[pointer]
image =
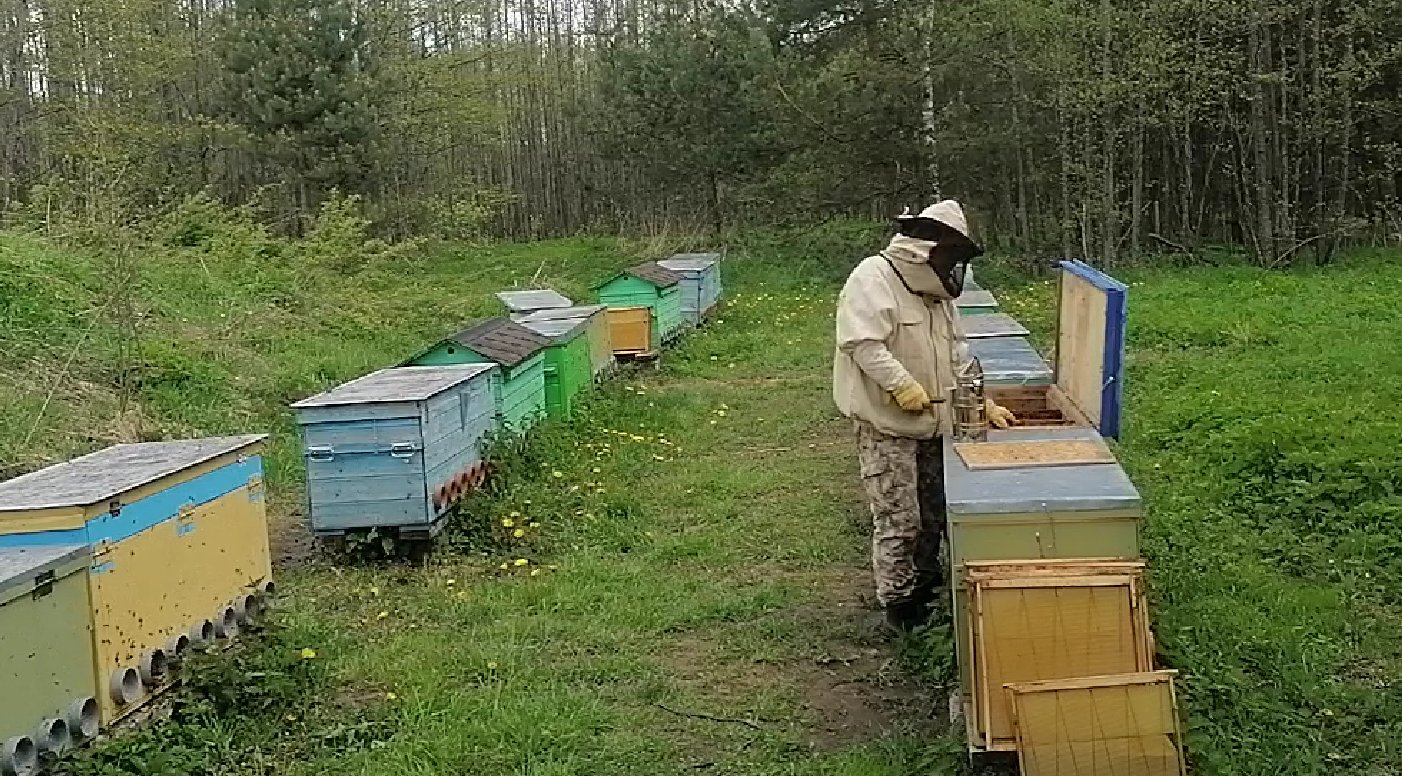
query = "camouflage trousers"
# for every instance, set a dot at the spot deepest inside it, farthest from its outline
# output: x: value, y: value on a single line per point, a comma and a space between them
x: 904, y: 483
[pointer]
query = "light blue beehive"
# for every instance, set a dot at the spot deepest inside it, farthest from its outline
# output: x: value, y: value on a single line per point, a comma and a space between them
x: 701, y: 283
x: 396, y: 448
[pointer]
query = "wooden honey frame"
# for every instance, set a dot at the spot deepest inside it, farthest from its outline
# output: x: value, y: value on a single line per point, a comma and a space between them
x: 1169, y: 719
x: 985, y: 577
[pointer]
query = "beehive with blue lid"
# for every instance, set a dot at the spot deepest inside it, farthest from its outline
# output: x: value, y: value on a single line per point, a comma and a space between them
x: 177, y: 540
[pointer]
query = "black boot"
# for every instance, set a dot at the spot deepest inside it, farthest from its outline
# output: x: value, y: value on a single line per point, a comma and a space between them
x: 906, y: 616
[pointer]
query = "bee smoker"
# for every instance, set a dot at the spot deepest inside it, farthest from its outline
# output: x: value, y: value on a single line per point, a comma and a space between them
x: 970, y: 415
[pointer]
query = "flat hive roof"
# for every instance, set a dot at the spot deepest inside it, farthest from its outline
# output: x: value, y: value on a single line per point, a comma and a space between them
x: 105, y: 474
x: 402, y: 383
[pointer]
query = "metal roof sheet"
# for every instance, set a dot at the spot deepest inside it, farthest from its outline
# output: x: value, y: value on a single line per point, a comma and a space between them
x: 537, y: 299
x: 403, y: 383
x: 584, y: 311
x: 992, y: 325
x: 1037, y: 489
x: 558, y: 329
x: 690, y: 262
x: 100, y: 476
x: 20, y: 565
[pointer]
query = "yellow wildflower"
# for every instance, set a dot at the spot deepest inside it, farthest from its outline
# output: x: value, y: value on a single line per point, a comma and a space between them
x: 535, y: 572
x: 391, y: 696
x: 503, y: 566
x: 518, y: 514
x: 518, y: 533
x: 308, y: 653
x: 381, y: 615
x: 451, y: 582
x: 521, y: 561
x: 508, y: 523
x: 597, y: 470
x: 535, y: 525
x: 491, y: 665
x: 557, y: 474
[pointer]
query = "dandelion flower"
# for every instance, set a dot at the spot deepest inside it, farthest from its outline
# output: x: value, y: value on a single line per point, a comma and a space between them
x: 658, y: 458
x: 308, y: 653
x: 508, y: 523
x: 557, y: 474
x: 518, y: 533
x: 503, y: 566
x: 491, y: 665
x: 451, y: 582
x: 389, y: 696
x: 521, y: 561
x: 597, y: 470
x: 381, y: 615
x: 535, y: 525
x: 518, y: 514
x: 535, y: 572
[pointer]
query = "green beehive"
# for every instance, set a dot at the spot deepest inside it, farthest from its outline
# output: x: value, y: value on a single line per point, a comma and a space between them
x: 519, y: 390
x: 46, y: 651
x: 654, y: 287
x: 568, y: 365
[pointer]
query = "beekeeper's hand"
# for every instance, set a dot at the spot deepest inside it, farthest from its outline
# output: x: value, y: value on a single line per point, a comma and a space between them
x: 912, y: 397
x: 998, y: 415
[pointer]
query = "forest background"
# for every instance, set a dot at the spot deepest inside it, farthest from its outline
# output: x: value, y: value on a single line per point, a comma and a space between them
x: 1098, y: 128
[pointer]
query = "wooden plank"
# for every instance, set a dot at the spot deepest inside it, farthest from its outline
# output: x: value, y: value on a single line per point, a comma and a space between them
x: 1041, y: 452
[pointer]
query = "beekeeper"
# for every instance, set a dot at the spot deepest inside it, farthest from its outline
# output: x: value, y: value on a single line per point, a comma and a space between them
x: 899, y: 344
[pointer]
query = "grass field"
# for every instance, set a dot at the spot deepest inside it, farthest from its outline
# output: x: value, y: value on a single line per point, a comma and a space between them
x: 688, y: 592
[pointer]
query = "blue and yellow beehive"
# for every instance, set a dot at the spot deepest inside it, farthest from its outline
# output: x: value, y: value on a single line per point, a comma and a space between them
x: 178, y: 549
x: 46, y: 653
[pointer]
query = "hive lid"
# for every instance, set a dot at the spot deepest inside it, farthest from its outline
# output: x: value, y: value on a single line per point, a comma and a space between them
x: 585, y: 311
x: 690, y: 262
x: 1037, y: 490
x: 1010, y: 361
x: 502, y: 340
x: 1090, y: 343
x: 648, y: 272
x: 558, y: 329
x: 103, y: 475
x: 974, y: 296
x: 404, y: 383
x: 19, y: 566
x: 992, y: 325
x: 529, y: 301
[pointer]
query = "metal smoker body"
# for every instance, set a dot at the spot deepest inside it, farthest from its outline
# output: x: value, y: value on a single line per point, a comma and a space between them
x: 970, y: 414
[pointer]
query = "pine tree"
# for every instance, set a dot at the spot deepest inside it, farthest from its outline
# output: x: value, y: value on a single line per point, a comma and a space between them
x: 298, y: 79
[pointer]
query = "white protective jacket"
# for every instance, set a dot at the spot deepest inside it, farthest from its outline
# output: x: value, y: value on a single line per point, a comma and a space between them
x: 896, y: 323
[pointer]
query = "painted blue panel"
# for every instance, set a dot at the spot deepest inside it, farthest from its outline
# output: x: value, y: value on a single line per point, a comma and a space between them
x: 132, y: 519
x: 362, y: 435
x: 1116, y: 323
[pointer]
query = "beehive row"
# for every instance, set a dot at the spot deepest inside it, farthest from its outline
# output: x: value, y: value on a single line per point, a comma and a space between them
x: 394, y: 450
x: 112, y: 566
x: 1051, y: 626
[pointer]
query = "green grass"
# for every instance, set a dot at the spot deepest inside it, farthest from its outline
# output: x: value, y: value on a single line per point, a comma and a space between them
x: 714, y: 562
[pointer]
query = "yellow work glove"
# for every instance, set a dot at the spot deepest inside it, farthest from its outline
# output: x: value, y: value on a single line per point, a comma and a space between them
x: 998, y: 415
x: 912, y: 397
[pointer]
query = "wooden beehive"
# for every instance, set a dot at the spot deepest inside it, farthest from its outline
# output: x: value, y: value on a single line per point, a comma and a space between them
x: 178, y: 535
x: 568, y: 366
x: 1054, y: 621
x: 700, y: 282
x: 651, y: 286
x: 975, y: 301
x: 519, y: 387
x: 46, y: 646
x: 1010, y: 361
x: 600, y: 345
x: 396, y: 448
x: 630, y: 331
x: 1099, y: 726
x: 1088, y: 380
x: 992, y: 325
